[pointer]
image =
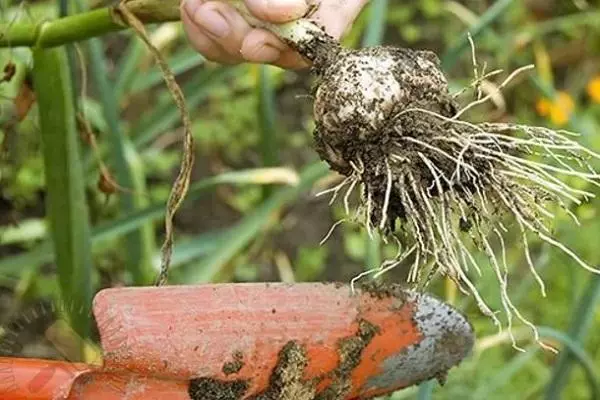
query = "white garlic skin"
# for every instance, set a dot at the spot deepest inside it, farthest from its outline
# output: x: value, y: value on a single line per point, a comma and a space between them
x: 364, y: 89
x: 364, y: 92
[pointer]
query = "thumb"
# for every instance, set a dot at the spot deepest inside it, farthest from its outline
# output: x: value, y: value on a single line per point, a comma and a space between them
x: 277, y: 10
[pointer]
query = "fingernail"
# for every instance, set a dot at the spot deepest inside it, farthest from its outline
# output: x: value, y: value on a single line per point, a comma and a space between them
x: 211, y: 21
x: 266, y: 54
x: 278, y: 10
x: 291, y: 6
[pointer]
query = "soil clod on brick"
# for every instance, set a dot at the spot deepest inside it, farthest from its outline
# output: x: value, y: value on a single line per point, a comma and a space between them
x: 233, y: 367
x: 382, y: 290
x: 287, y: 379
x: 350, y: 351
x: 214, y: 389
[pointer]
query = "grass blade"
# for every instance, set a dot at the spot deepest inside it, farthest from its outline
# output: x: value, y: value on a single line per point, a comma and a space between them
x: 376, y: 25
x: 128, y: 67
x: 193, y: 248
x: 426, y: 390
x: 566, y: 23
x: 66, y: 202
x: 452, y: 55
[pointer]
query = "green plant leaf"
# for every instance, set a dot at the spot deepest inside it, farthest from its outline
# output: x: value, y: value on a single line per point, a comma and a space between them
x: 376, y: 25
x: 127, y: 68
x: 67, y: 210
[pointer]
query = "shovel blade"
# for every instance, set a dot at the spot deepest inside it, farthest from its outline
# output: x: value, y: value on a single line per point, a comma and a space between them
x: 253, y: 339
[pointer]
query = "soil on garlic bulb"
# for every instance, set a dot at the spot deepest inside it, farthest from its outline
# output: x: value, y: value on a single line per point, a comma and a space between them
x: 361, y: 131
x: 385, y: 119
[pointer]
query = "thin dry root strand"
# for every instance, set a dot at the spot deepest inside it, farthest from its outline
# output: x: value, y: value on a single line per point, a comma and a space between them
x: 447, y: 182
x: 182, y: 182
x: 503, y: 181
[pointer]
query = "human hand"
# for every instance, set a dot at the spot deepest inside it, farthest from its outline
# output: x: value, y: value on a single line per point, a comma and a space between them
x: 221, y: 34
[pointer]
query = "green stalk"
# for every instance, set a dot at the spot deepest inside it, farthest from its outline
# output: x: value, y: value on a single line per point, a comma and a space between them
x: 66, y: 202
x: 101, y: 21
x: 63, y: 7
x: 62, y: 30
x: 86, y: 25
x: 63, y: 11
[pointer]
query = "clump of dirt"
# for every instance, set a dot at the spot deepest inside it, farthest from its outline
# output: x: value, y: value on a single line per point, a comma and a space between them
x: 350, y: 351
x: 287, y: 382
x: 233, y: 367
x: 382, y: 290
x: 214, y: 389
x: 452, y: 344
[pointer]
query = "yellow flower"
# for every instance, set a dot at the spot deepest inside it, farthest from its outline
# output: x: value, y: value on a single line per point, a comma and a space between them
x: 543, y: 107
x: 593, y: 89
x: 559, y: 111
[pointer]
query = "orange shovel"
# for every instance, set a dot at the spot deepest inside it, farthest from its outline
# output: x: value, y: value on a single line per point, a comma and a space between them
x: 256, y: 341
